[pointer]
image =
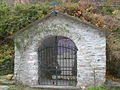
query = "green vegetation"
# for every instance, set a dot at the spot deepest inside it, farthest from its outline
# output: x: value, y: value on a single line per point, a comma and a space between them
x: 103, y: 88
x: 98, y: 88
x: 6, y: 66
x: 12, y: 19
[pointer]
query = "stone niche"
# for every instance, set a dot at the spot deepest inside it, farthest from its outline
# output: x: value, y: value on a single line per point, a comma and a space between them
x: 88, y: 53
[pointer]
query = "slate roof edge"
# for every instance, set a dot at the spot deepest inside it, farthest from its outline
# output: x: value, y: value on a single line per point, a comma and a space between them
x: 57, y: 14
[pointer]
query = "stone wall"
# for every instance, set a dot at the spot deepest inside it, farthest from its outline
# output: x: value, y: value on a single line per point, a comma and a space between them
x: 90, y: 41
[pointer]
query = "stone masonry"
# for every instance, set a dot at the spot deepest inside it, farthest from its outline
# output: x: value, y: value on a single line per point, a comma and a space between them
x: 90, y: 41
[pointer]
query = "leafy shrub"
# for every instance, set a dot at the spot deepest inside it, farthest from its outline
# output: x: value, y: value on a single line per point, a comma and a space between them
x: 6, y: 52
x: 7, y: 67
x: 13, y: 19
x: 107, y: 10
x: 118, y: 31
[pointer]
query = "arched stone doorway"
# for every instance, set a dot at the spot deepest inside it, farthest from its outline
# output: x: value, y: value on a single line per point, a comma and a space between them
x: 57, y: 61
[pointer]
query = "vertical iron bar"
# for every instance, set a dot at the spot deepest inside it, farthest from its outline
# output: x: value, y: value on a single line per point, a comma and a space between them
x: 40, y: 66
x: 60, y: 59
x: 67, y: 63
x: 45, y: 65
x: 75, y: 66
x: 56, y: 59
x: 47, y: 58
x: 52, y: 55
x: 49, y: 61
x: 63, y: 62
x: 46, y: 54
x: 72, y: 61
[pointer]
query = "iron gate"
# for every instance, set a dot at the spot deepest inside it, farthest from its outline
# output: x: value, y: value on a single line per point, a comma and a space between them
x: 58, y: 64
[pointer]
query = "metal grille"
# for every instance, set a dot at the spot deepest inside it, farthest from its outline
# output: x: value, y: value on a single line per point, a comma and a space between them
x: 58, y: 64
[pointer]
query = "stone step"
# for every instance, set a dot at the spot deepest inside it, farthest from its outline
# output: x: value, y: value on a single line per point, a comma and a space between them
x: 56, y: 87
